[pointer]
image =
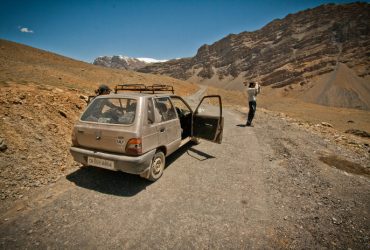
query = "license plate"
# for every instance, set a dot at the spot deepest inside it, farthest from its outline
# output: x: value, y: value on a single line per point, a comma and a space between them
x: 97, y: 162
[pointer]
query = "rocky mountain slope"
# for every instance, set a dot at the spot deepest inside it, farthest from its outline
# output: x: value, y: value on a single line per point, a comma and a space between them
x: 295, y: 50
x: 124, y: 62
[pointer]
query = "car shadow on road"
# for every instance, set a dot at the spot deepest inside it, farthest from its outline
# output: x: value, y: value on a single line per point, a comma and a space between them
x: 191, y: 151
x: 123, y: 184
x: 199, y: 155
x: 108, y: 182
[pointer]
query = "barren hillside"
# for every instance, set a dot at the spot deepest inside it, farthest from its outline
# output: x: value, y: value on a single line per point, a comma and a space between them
x: 22, y: 64
x: 339, y: 88
x: 317, y: 46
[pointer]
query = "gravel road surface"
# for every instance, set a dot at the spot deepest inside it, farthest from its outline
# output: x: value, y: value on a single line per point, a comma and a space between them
x: 263, y: 187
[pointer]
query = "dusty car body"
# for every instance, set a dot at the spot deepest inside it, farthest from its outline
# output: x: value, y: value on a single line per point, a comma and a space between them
x: 134, y: 132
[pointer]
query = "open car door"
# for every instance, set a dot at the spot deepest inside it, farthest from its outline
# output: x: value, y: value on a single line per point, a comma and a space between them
x: 207, y: 120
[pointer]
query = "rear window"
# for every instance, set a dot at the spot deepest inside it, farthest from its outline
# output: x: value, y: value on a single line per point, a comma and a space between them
x: 111, y: 110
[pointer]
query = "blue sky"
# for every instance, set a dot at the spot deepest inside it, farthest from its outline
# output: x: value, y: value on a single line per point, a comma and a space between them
x: 84, y: 30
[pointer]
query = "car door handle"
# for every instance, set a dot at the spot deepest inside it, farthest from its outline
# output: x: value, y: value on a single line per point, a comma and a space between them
x: 162, y: 130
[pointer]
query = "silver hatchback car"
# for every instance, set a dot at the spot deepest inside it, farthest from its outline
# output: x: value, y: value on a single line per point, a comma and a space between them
x: 134, y: 132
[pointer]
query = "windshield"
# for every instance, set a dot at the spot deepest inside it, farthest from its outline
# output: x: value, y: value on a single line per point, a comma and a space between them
x: 111, y: 110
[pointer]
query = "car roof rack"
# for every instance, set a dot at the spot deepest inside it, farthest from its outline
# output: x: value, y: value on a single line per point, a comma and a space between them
x: 142, y: 88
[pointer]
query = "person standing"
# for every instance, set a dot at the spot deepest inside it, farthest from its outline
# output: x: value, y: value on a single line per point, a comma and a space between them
x: 103, y: 90
x: 253, y: 90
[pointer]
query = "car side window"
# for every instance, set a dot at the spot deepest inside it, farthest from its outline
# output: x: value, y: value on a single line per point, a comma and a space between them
x: 165, y: 108
x: 150, y: 113
x: 181, y: 108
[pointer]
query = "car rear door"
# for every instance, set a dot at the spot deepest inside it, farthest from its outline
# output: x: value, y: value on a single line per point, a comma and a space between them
x: 207, y: 122
x: 107, y: 124
x: 168, y: 124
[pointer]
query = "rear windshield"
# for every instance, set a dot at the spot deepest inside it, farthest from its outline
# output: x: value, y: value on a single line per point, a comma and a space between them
x: 111, y: 110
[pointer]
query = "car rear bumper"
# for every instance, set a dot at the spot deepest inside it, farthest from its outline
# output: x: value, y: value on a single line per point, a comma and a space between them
x: 128, y: 164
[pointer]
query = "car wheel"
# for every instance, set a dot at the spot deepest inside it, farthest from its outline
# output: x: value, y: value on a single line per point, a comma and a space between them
x: 157, y: 166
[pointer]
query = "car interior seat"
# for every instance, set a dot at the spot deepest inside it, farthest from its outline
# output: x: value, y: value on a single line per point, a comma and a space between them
x: 163, y: 110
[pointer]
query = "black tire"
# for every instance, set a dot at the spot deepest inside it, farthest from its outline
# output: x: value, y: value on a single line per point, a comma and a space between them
x: 157, y: 166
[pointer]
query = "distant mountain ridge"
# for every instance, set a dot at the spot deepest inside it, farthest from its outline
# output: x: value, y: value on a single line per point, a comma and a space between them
x: 124, y: 62
x: 286, y: 51
x: 23, y: 64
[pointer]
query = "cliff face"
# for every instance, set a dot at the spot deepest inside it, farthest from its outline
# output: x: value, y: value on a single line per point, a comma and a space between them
x: 287, y: 51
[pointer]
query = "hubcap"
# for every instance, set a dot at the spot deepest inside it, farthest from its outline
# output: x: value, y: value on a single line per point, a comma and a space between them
x: 157, y: 165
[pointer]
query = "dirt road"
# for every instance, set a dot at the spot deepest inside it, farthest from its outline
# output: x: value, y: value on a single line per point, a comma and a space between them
x: 263, y: 187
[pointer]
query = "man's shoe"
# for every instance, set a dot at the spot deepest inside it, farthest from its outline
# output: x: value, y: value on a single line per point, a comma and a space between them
x: 248, y: 124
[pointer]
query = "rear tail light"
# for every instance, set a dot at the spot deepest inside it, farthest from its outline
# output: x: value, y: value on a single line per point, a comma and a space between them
x: 134, y: 146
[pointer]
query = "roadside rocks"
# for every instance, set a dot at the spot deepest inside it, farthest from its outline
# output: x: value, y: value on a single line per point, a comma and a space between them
x: 3, y: 146
x: 17, y: 101
x: 62, y: 113
x: 35, y: 129
x: 358, y: 132
x: 83, y: 97
x: 57, y: 90
x: 326, y: 124
x: 355, y: 141
x: 336, y: 221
